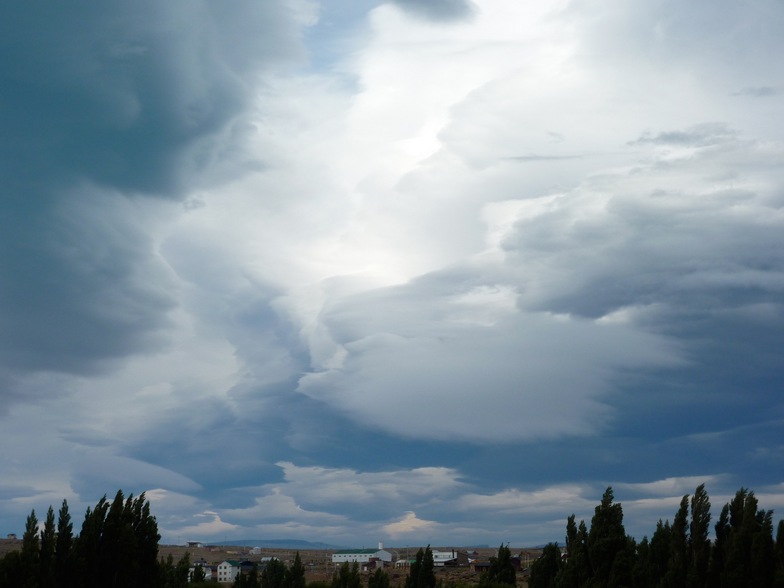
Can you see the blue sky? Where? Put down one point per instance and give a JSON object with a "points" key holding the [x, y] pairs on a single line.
{"points": [[413, 272]]}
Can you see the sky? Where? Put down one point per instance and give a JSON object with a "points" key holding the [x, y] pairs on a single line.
{"points": [[360, 271]]}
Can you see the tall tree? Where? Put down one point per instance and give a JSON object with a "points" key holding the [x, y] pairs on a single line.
{"points": [[606, 539], [295, 575], [379, 579], [545, 569], [274, 574], [421, 574], [678, 560], [660, 551], [346, 576], [501, 571], [30, 552], [699, 544], [778, 580], [47, 553], [63, 545]]}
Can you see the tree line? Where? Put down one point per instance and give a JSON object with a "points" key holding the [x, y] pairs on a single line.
{"points": [[116, 548], [743, 553]]}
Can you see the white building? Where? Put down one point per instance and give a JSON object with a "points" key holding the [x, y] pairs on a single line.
{"points": [[228, 570], [361, 556]]}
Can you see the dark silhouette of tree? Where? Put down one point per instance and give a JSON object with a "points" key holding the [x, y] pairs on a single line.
{"points": [[699, 544], [199, 574], [63, 545], [606, 540], [346, 576], [378, 579], [47, 553], [30, 553], [501, 570], [778, 578], [421, 574], [274, 574], [545, 569], [677, 562], [576, 570], [295, 575]]}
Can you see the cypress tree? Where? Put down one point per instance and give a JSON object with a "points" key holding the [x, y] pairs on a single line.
{"points": [[606, 538], [47, 554], [63, 546], [699, 544], [30, 553]]}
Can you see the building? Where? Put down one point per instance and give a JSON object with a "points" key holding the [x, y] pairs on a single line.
{"points": [[362, 556], [229, 569], [451, 558]]}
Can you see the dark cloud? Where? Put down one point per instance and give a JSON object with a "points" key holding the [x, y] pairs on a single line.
{"points": [[438, 10], [125, 94], [101, 102]]}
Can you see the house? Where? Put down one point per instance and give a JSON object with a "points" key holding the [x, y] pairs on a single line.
{"points": [[362, 556], [228, 570], [452, 558]]}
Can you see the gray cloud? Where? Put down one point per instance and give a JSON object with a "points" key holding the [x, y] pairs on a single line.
{"points": [[702, 135], [438, 10], [758, 92], [101, 103]]}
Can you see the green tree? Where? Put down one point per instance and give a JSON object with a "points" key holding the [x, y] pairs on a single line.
{"points": [[606, 540], [576, 570], [274, 574], [295, 575], [47, 553], [378, 579], [699, 544], [30, 553], [346, 576], [199, 574], [501, 571], [545, 569], [678, 560], [421, 574], [63, 546]]}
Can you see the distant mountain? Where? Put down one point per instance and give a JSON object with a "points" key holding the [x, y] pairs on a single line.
{"points": [[277, 544]]}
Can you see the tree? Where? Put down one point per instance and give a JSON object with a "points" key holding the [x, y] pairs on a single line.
{"points": [[274, 574], [575, 571], [606, 540], [30, 553], [63, 546], [545, 569], [295, 575], [421, 574], [699, 544], [345, 576], [778, 580], [379, 579], [47, 553], [501, 569], [678, 560], [199, 575]]}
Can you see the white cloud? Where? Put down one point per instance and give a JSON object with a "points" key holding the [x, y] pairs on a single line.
{"points": [[410, 526]]}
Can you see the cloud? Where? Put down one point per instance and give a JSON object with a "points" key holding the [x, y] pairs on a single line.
{"points": [[423, 359], [438, 10], [409, 526]]}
